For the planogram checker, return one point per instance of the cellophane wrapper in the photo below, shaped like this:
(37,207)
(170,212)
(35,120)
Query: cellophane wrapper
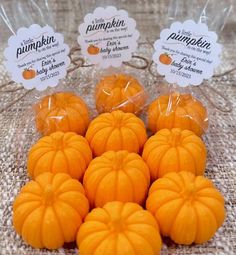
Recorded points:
(186,107)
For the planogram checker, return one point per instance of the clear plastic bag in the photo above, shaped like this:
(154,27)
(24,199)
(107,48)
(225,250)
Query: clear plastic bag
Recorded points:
(119,90)
(178,106)
(15,16)
(53,109)
(61,111)
(177,110)
(116,87)
(214,13)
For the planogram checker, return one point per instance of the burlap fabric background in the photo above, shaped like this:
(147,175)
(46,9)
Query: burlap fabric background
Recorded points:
(17,131)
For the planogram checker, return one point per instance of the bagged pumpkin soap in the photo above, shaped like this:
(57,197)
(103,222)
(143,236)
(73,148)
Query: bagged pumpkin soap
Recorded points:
(112,42)
(61,111)
(38,59)
(177,110)
(120,91)
(186,55)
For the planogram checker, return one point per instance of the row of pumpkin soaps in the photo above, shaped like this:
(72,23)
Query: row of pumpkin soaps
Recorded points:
(54,209)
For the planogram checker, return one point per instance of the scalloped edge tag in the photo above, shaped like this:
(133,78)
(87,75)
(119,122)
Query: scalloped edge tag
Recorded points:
(37,57)
(108,37)
(187,53)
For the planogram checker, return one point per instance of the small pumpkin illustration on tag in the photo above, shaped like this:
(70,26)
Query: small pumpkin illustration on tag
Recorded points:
(93,50)
(29,74)
(165,59)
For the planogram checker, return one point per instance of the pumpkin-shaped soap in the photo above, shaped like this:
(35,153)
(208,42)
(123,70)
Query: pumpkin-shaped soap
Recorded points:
(174,150)
(117,229)
(120,92)
(116,176)
(62,111)
(177,111)
(188,208)
(60,152)
(49,211)
(116,131)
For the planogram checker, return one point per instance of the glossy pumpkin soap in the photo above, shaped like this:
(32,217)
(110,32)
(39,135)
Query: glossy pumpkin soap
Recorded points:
(120,92)
(188,208)
(60,152)
(174,150)
(116,176)
(62,111)
(119,228)
(177,111)
(116,131)
(49,211)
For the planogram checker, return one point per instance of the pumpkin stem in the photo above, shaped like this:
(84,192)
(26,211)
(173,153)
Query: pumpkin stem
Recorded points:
(118,121)
(190,188)
(117,224)
(176,136)
(188,192)
(118,161)
(48,194)
(58,143)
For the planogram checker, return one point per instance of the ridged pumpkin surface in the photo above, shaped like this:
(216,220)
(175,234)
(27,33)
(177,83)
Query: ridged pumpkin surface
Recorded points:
(63,111)
(120,92)
(48,211)
(119,229)
(173,151)
(116,176)
(116,131)
(177,111)
(60,152)
(188,208)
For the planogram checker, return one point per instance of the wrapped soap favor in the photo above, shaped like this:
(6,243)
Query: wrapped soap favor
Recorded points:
(108,38)
(186,55)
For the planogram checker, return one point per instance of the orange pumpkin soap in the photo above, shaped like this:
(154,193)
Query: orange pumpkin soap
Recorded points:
(116,176)
(174,150)
(62,111)
(60,152)
(188,208)
(116,131)
(49,211)
(177,111)
(119,229)
(120,92)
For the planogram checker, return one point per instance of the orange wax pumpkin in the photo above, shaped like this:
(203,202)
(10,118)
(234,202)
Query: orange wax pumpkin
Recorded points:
(49,210)
(62,111)
(119,228)
(60,152)
(116,131)
(177,111)
(116,176)
(174,150)
(120,92)
(188,208)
